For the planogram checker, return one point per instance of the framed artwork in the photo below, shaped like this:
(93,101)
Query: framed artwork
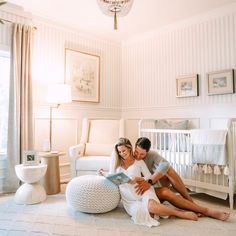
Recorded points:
(82,73)
(30,158)
(220,82)
(187,86)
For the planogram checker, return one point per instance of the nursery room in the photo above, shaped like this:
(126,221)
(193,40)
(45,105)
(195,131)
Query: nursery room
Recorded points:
(117,117)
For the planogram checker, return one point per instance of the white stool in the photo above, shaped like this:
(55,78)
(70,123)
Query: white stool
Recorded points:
(31,191)
(92,194)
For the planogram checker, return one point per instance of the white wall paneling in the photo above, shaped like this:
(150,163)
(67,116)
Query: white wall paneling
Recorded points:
(64,134)
(66,129)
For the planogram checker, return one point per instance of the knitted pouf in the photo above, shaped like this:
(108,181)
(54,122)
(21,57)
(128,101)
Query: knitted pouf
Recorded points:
(92,194)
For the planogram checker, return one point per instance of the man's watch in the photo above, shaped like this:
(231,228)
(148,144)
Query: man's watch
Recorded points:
(150,181)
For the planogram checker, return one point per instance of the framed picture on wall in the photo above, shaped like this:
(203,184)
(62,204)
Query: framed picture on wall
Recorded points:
(30,158)
(82,73)
(220,82)
(187,86)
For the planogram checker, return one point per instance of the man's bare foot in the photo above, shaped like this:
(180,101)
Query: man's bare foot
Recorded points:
(219,215)
(188,215)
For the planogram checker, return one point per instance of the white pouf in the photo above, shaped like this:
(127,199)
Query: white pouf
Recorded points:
(31,192)
(92,194)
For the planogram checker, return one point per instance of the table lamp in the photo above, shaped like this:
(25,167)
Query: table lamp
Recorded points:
(57,94)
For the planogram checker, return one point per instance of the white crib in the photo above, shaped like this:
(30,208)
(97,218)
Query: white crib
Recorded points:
(176,147)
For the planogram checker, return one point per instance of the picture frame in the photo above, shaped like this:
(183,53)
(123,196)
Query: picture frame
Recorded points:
(220,82)
(30,158)
(82,73)
(187,86)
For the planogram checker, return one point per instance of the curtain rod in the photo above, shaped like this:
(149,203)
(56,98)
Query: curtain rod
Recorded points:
(9,21)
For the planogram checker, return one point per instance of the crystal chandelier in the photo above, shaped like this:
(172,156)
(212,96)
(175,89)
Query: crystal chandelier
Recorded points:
(115,8)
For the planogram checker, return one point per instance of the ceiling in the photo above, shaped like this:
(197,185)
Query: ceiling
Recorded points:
(145,15)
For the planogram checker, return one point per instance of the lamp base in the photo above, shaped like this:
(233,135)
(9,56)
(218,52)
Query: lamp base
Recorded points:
(46,145)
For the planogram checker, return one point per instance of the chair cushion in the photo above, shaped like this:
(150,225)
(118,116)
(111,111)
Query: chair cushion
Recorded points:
(93,163)
(92,149)
(92,194)
(103,131)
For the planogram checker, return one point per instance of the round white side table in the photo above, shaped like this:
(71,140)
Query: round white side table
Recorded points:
(31,192)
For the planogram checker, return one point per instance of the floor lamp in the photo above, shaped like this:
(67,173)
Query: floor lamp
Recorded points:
(57,94)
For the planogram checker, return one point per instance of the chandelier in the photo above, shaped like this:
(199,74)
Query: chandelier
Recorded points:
(115,8)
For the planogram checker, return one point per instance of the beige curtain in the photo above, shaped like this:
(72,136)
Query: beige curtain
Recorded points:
(20,126)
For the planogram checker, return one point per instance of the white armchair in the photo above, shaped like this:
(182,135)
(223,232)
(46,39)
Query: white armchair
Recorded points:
(97,141)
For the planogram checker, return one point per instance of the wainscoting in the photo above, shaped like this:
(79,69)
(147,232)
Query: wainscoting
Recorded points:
(66,129)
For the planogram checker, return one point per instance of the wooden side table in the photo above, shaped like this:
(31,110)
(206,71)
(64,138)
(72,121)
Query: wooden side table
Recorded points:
(51,180)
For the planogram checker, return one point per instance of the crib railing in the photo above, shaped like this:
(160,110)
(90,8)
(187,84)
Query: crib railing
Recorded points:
(176,147)
(231,143)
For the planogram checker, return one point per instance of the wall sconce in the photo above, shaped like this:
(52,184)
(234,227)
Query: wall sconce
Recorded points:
(57,94)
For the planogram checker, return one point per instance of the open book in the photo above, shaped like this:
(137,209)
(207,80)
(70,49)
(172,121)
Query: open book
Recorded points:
(118,178)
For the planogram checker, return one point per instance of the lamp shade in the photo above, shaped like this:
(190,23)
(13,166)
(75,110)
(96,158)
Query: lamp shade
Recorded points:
(59,94)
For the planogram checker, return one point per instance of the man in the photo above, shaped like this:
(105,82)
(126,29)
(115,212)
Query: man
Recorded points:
(163,173)
(160,169)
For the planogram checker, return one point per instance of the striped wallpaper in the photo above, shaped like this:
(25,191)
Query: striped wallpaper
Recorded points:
(152,63)
(50,44)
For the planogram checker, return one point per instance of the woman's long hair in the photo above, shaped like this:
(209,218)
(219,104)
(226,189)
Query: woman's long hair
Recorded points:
(116,158)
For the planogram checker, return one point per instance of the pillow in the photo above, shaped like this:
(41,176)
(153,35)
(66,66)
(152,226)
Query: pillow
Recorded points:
(165,124)
(163,141)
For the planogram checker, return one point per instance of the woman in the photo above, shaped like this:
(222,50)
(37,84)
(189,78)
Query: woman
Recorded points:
(144,209)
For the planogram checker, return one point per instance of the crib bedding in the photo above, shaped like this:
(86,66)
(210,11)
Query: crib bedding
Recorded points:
(205,159)
(209,146)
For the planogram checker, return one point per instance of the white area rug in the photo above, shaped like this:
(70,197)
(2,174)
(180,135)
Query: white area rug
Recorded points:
(54,217)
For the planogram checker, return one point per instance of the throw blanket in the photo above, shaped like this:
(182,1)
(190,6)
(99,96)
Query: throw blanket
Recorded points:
(209,146)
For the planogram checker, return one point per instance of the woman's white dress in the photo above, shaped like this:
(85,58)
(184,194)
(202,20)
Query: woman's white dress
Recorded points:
(137,205)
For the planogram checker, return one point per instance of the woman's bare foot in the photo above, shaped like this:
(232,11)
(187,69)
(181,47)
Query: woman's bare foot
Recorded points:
(199,214)
(219,215)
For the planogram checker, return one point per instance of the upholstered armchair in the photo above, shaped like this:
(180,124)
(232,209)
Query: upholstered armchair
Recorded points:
(97,141)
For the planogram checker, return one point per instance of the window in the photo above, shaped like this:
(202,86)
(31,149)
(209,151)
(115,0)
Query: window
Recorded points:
(4,98)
